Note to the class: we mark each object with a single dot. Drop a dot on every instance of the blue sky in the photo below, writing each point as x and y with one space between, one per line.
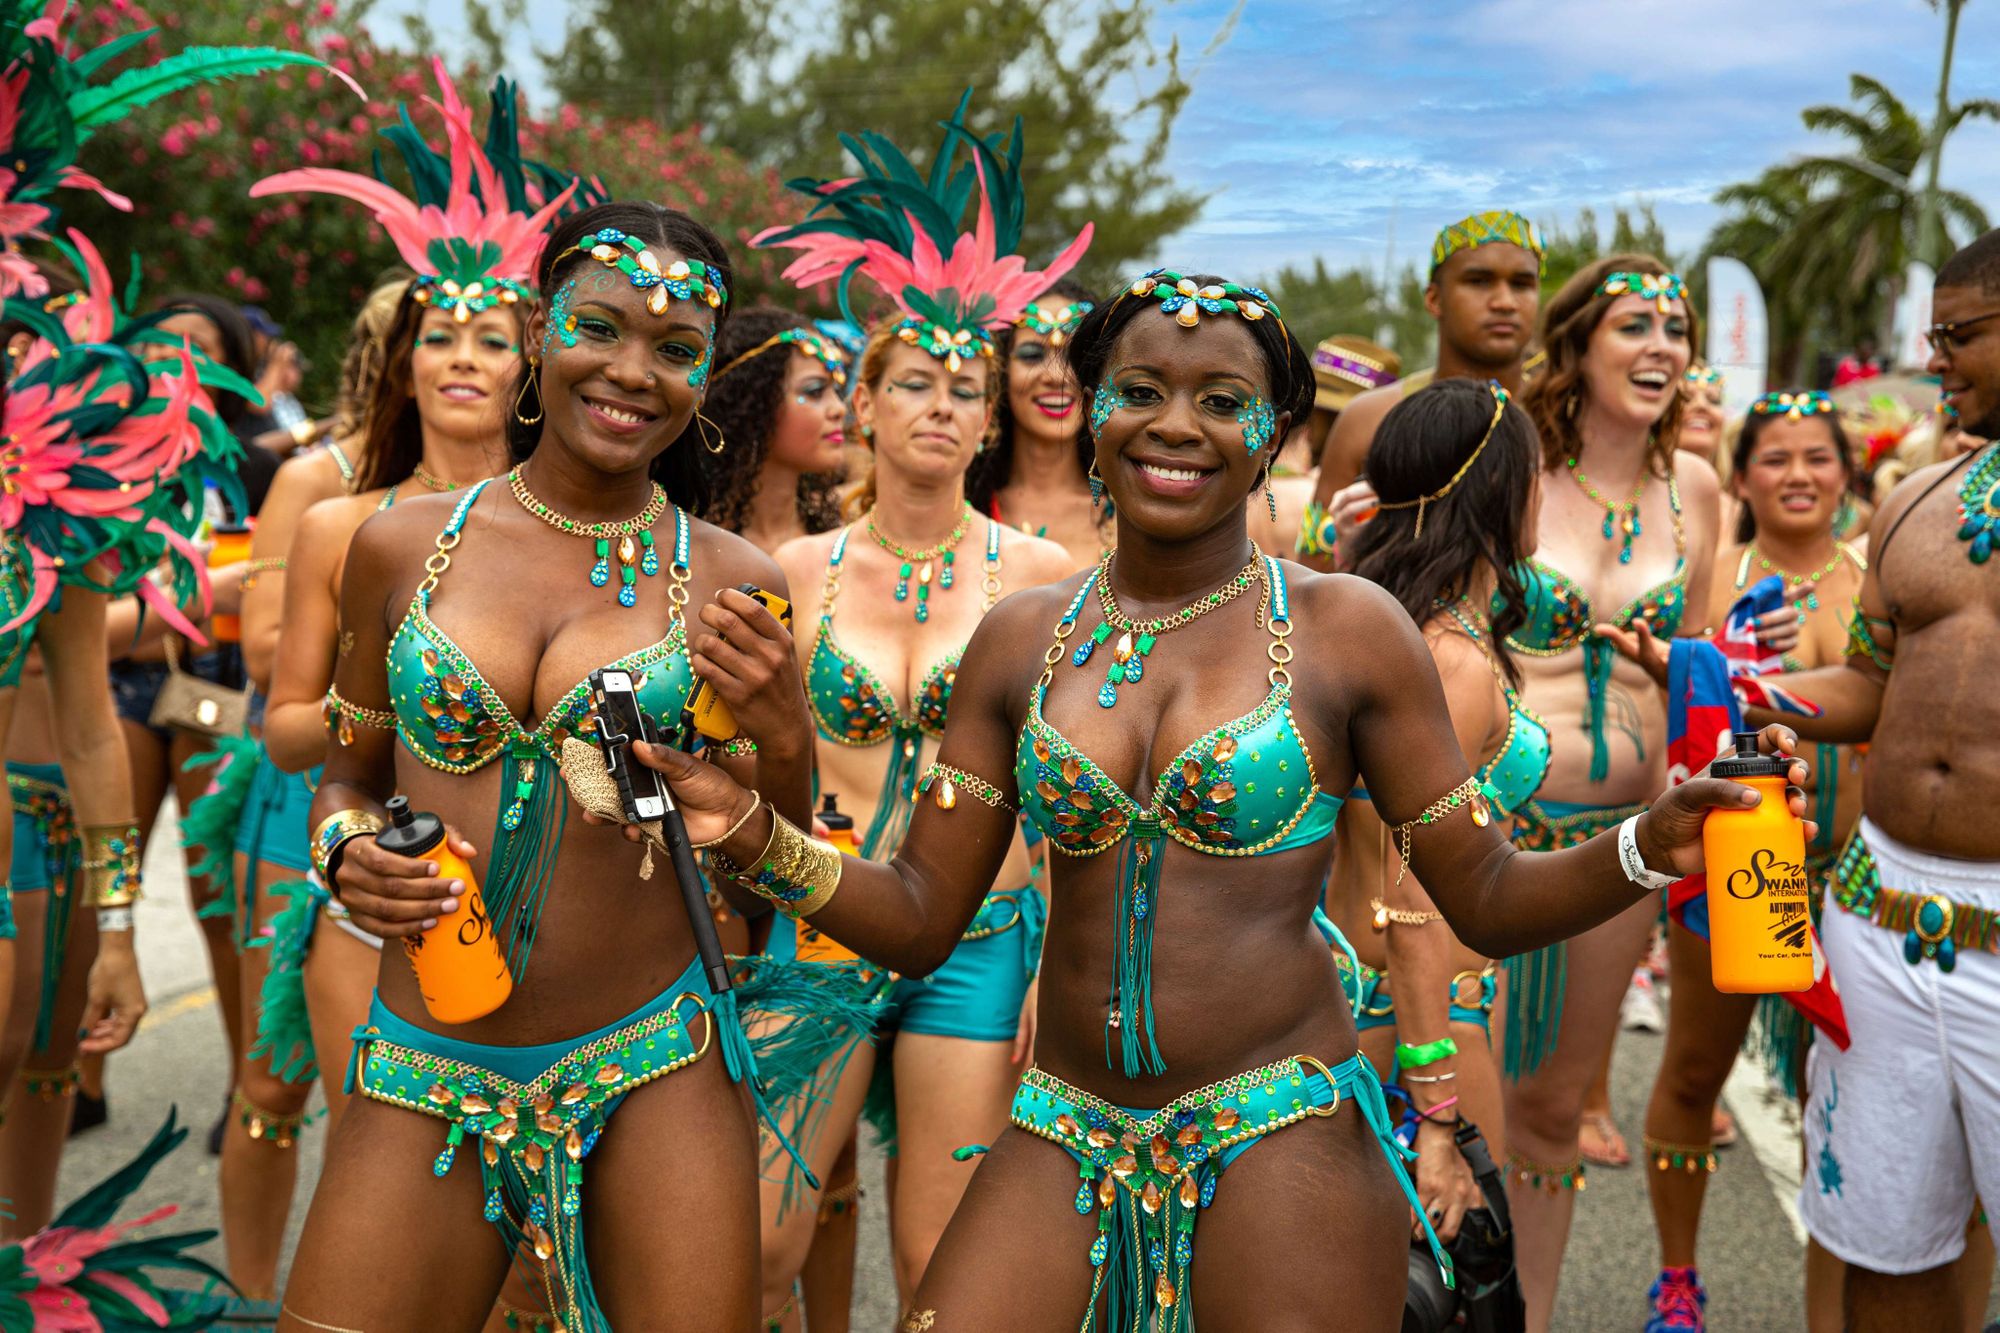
1322 122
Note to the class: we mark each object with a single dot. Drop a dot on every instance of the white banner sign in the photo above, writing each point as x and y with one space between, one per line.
1913 316
1738 341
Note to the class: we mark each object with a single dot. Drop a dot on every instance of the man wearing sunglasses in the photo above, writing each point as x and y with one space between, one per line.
1903 1126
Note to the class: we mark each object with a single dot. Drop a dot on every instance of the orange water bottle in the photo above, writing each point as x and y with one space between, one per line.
814 945
231 544
1760 931
458 962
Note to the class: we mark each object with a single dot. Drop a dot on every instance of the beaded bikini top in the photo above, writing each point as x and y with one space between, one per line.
1517 769
1560 616
851 705
453 719
1245 788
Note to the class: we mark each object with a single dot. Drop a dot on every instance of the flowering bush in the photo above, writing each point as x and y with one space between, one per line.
188 164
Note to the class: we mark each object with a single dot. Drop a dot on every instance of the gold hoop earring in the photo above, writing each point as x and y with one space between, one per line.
521 396
704 425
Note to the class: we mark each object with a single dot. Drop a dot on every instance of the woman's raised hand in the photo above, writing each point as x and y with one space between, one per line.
1669 834
711 802
746 655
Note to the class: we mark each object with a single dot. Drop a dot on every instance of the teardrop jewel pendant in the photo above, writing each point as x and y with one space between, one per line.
601 535
600 573
928 567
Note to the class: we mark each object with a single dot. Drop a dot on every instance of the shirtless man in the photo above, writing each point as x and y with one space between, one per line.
1904 1126
1485 287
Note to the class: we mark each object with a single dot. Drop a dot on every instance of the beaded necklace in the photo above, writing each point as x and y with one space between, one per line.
1137 637
1620 516
1802 602
1978 512
630 562
917 560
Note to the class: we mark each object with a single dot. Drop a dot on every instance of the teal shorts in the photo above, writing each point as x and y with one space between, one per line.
38 790
276 818
977 994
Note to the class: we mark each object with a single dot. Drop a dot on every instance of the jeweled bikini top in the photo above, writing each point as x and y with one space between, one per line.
1516 770
1560 616
1245 788
452 719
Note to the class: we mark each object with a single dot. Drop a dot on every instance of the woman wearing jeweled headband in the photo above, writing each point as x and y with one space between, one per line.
606 1091
1254 690
900 590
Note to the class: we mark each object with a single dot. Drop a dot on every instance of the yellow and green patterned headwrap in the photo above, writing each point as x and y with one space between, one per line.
1485 229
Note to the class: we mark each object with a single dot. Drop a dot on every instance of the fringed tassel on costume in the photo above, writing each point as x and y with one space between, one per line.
1534 1007
805 1022
1132 912
534 808
898 801
1779 1038
284 1030
211 819
1598 656
63 862
878 1108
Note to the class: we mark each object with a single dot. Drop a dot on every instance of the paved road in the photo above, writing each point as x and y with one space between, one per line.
1751 1252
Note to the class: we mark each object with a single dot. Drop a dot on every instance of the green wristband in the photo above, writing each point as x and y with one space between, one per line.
1415 1057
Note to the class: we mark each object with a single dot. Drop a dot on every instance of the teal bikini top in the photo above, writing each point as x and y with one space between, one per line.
452 719
1245 788
1517 769
16 587
1560 616
851 705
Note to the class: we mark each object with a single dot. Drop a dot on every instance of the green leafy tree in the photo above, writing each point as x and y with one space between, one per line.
1571 248
898 67
1319 302
188 164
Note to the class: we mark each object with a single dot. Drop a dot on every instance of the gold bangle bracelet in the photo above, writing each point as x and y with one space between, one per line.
800 874
335 832
756 799
111 864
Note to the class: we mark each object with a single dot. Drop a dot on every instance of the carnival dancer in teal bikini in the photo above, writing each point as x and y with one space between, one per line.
451 365
1455 467
475 619
885 606
1198 1017
1627 531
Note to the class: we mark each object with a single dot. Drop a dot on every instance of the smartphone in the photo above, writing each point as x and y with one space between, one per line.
705 712
620 721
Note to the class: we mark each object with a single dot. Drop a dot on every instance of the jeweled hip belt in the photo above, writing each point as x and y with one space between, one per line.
1935 926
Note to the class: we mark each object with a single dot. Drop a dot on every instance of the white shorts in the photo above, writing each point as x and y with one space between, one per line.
1903 1127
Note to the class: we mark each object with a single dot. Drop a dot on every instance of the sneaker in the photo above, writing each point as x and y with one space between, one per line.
1640 1011
1678 1302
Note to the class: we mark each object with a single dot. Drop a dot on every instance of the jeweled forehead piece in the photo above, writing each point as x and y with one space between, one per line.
464 299
1809 402
1182 298
832 359
684 279
954 347
1704 375
1659 288
1057 327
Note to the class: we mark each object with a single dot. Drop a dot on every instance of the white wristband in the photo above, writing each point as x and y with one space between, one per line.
113 919
1634 864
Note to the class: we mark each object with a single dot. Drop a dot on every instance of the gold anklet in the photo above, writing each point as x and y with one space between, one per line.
774 1322
267 1126
1689 1157
49 1084
1542 1176
845 1199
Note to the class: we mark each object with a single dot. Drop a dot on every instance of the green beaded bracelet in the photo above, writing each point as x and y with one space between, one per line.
1416 1057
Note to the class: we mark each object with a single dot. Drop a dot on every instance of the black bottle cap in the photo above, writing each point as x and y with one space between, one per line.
410 832
829 814
1747 763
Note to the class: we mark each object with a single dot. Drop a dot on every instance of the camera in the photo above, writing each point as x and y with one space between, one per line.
1488 1295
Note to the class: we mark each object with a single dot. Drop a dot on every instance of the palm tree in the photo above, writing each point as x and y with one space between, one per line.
1829 235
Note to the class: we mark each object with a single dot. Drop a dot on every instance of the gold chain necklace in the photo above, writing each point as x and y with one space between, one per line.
631 562
1137 637
432 481
917 560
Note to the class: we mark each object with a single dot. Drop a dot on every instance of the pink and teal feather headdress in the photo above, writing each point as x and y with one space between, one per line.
105 455
900 228
477 215
52 101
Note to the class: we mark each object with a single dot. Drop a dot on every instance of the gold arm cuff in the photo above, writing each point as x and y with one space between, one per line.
798 873
341 715
945 783
1471 793
335 832
111 864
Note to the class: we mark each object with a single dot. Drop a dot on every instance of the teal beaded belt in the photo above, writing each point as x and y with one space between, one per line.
1934 926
